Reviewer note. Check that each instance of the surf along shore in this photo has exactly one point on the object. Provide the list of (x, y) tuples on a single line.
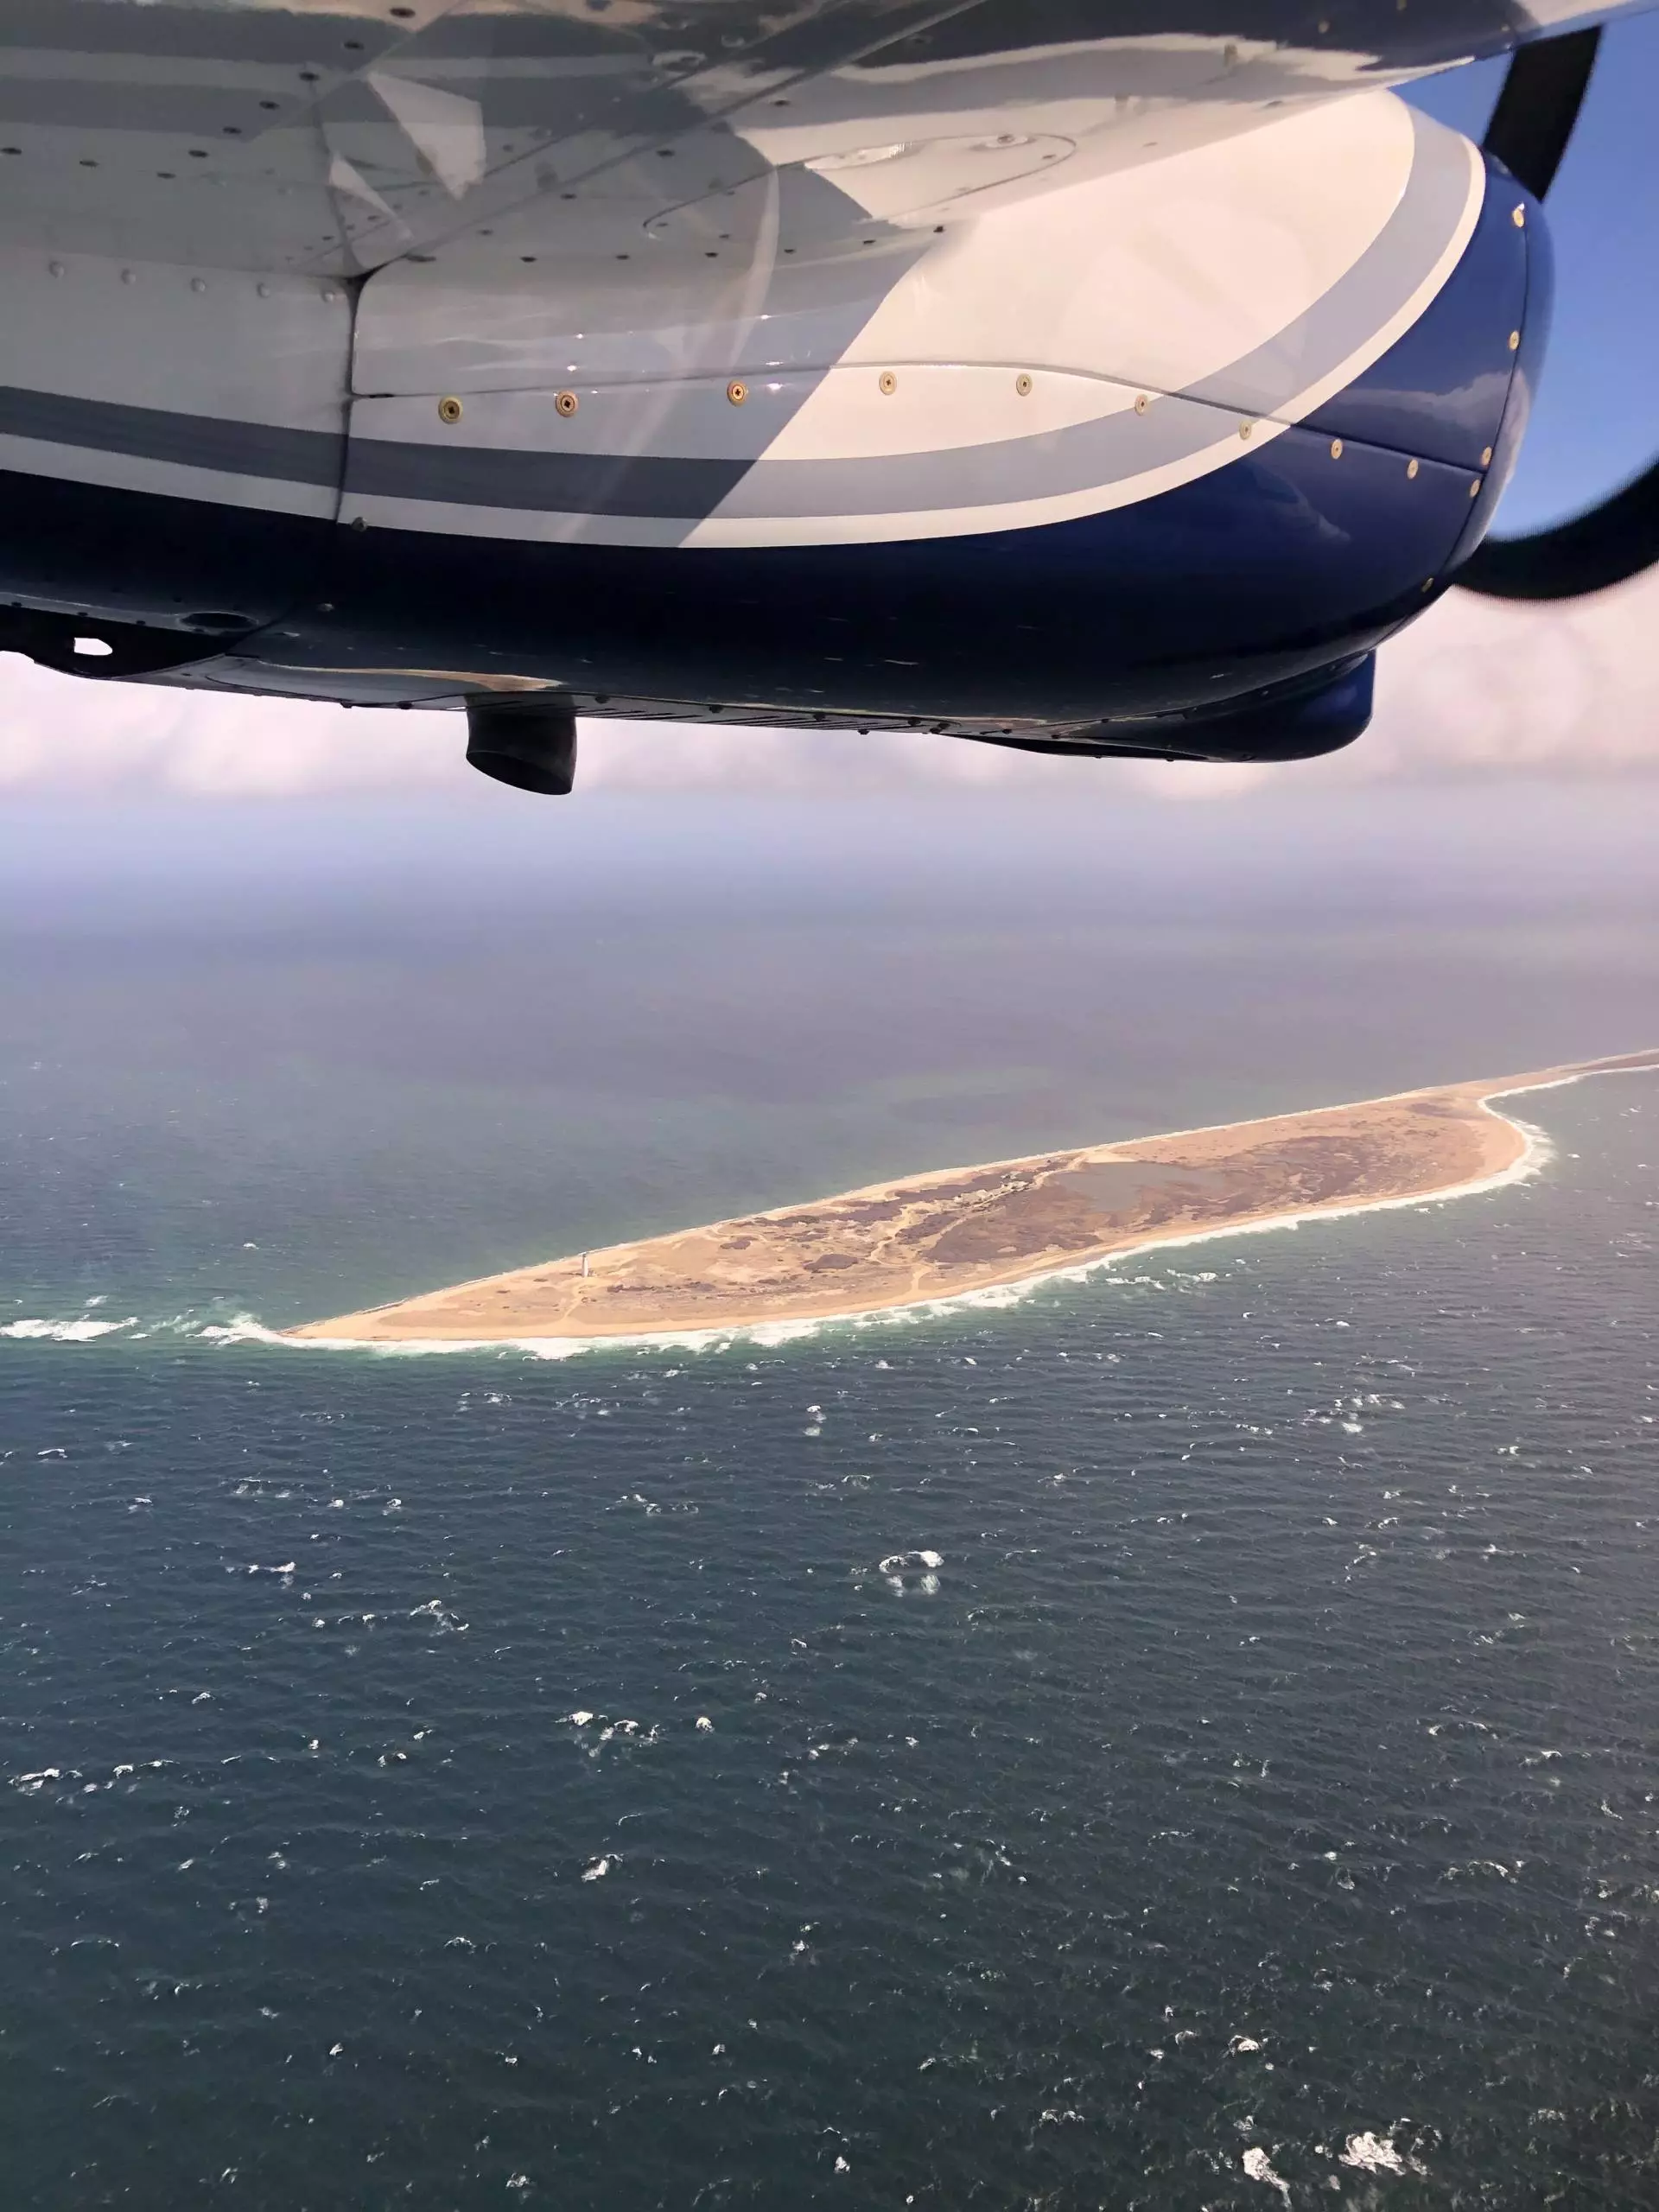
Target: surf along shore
[(961, 1229)]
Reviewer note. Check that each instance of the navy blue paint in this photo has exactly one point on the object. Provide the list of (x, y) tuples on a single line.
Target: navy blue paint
[(1533, 325), (1284, 721), (1283, 562), (139, 557), (1279, 565), (1440, 391)]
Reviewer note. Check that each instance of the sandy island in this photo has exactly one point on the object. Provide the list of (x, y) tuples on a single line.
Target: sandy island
[(961, 1229)]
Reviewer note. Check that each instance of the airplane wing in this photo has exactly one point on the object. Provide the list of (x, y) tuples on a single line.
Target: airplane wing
[(1100, 377)]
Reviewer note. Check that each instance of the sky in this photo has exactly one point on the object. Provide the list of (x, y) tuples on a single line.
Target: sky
[(1474, 693), (1597, 420)]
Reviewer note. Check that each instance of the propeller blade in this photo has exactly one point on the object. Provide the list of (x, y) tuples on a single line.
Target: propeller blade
[(1543, 91)]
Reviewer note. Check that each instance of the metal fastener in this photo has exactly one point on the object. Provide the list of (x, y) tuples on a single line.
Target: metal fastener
[(1486, 456), (1142, 402), (888, 382), (1474, 488), (737, 391), (1022, 384), (1515, 342), (449, 410), (1518, 217), (1412, 467), (1244, 429), (1336, 449), (567, 402)]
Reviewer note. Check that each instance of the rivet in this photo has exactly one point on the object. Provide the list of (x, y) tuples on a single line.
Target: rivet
[(449, 410), (1486, 456), (198, 283), (1515, 342), (1244, 429), (1429, 583), (357, 523), (1518, 217), (331, 298), (1474, 488), (737, 391), (128, 277), (1022, 384), (263, 290), (888, 382), (1336, 449), (1142, 402), (54, 269), (566, 403), (1412, 467)]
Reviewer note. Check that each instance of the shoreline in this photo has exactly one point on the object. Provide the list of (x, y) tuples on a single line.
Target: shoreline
[(1460, 1108)]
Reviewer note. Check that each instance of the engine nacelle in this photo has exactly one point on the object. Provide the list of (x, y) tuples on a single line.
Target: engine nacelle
[(1150, 461)]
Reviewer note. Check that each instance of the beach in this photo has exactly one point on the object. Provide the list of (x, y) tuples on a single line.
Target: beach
[(953, 1232)]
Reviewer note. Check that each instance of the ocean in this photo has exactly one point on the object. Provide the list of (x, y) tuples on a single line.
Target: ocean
[(1184, 1739)]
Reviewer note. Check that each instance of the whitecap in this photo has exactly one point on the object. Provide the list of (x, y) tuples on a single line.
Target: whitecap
[(240, 1329), (75, 1331), (1372, 2154), (1259, 2167), (434, 1609), (905, 1571)]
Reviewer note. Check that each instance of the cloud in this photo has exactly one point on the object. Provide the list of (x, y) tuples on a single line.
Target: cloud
[(1476, 689)]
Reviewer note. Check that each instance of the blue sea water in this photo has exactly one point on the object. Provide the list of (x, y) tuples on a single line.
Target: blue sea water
[(1185, 1740)]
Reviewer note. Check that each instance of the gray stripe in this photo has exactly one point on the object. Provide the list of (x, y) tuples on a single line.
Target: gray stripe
[(563, 483), (1091, 455), (186, 441), (1381, 281)]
